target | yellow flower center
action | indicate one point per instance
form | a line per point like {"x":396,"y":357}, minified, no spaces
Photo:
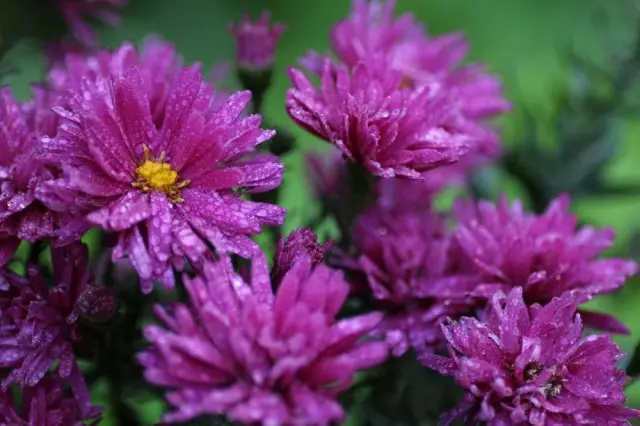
{"x":406,"y":83}
{"x":159,"y":176}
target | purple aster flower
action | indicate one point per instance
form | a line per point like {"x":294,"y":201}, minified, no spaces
{"x":532,"y":367}
{"x":390,"y":130}
{"x":256,"y":42}
{"x":76,"y":12}
{"x":45,"y":404}
{"x":257,"y":357}
{"x":167,"y":190}
{"x":403,"y":46}
{"x":547,"y":255}
{"x":22,"y":215}
{"x":301,"y":242}
{"x":38,"y":321}
{"x":402,"y":253}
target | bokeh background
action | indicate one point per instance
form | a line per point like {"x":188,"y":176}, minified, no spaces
{"x":528,"y":43}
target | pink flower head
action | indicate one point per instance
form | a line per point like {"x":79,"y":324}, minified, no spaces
{"x":403,"y":46}
{"x":301,"y":242}
{"x":167,"y":187}
{"x":504,"y":247}
{"x":256,"y":42}
{"x":45,"y":404}
{"x":402,"y":253}
{"x":76,"y":12}
{"x":22,"y":215}
{"x":259,"y":357}
{"x":390,"y":130}
{"x":38,"y":322}
{"x":532,"y":367}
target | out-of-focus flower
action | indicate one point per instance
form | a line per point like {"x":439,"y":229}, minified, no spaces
{"x":256,"y":42}
{"x":301,"y":242}
{"x":532,"y":367}
{"x":22,"y":215}
{"x":402,"y":251}
{"x":391,"y":131}
{"x":402,"y":45}
{"x":76,"y":12}
{"x":325,"y":173}
{"x":170,"y":189}
{"x":38,"y":321}
{"x":547,"y":255}
{"x":257,"y":357}
{"x":45,"y":404}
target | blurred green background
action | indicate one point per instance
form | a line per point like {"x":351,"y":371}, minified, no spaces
{"x":526,"y":42}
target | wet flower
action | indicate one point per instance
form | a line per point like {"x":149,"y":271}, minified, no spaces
{"x":259,"y":357}
{"x":22,"y":215}
{"x":301,"y":242}
{"x":45,"y":404}
{"x":504,"y":247}
{"x":38,"y":321}
{"x":532,"y":367}
{"x":256,"y":42}
{"x":76,"y":12}
{"x":391,"y":131}
{"x":403,"y":45}
{"x":402,"y":254}
{"x":167,"y":187}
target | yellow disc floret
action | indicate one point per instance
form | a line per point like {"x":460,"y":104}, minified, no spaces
{"x":159,"y":176}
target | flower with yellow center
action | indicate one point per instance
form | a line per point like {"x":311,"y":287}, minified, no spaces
{"x":159,"y":176}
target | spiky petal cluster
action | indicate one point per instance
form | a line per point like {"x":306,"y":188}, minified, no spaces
{"x":167,"y":187}
{"x":302,"y":242}
{"x":38,"y":320}
{"x":392,"y":131}
{"x":504,"y":246}
{"x":76,"y":12}
{"x":403,"y":46}
{"x":45,"y":404}
{"x":256,"y":42}
{"x":257,"y":357}
{"x":22,"y":215}
{"x":402,"y":250}
{"x":525,"y":366}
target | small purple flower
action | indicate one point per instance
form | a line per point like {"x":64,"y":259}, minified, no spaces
{"x":75,"y":13}
{"x":504,"y":247}
{"x":402,"y":45}
{"x":38,"y":322}
{"x":532,"y":367}
{"x":22,"y":215}
{"x":390,"y":130}
{"x":301,"y":242}
{"x":256,"y":42}
{"x":402,"y":251}
{"x":45,"y":404}
{"x":257,"y":357}
{"x":167,"y":187}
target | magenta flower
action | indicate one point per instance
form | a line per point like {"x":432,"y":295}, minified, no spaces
{"x":301,"y":242}
{"x":76,"y":12}
{"x":170,"y":189}
{"x":257,"y":357}
{"x":390,"y":130}
{"x":402,"y":253}
{"x":22,"y":174}
{"x":532,"y":367}
{"x":38,"y":322}
{"x":504,"y":247}
{"x":256,"y":42}
{"x":402,"y":45}
{"x":45,"y":404}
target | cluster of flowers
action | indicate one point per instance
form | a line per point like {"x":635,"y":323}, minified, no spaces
{"x":132,"y":143}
